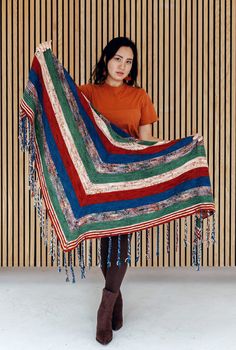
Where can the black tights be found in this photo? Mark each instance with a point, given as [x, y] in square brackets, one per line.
[114, 274]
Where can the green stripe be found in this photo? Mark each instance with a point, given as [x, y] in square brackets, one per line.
[99, 178]
[30, 101]
[118, 137]
[106, 225]
[114, 135]
[51, 190]
[146, 217]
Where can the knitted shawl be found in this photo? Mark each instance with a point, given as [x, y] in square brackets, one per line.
[91, 179]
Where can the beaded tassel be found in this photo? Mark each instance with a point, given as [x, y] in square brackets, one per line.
[199, 256]
[213, 234]
[66, 269]
[46, 233]
[58, 256]
[197, 243]
[168, 238]
[71, 266]
[148, 254]
[128, 259]
[208, 230]
[90, 254]
[185, 232]
[39, 209]
[82, 266]
[138, 234]
[118, 262]
[42, 224]
[52, 245]
[99, 252]
[158, 239]
[78, 253]
[177, 236]
[194, 252]
[109, 253]
[80, 258]
[23, 134]
[32, 170]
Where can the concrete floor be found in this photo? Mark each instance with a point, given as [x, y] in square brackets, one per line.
[164, 308]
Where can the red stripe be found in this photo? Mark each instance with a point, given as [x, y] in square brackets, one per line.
[147, 191]
[84, 199]
[58, 139]
[137, 227]
[81, 196]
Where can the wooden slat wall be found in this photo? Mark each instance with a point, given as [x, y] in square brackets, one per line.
[187, 61]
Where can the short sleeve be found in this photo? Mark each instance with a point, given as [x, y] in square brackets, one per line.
[86, 89]
[148, 113]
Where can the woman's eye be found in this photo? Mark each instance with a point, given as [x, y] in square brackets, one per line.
[118, 58]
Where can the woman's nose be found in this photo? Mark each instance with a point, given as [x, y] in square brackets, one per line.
[122, 65]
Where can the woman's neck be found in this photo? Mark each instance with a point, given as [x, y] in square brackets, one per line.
[113, 83]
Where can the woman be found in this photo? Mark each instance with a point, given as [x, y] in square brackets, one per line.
[116, 95]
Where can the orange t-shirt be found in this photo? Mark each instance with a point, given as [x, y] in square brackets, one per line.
[125, 106]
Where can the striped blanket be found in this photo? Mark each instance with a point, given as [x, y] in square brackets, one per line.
[91, 179]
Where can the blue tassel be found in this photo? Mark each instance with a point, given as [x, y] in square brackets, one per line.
[109, 253]
[58, 256]
[177, 235]
[185, 232]
[194, 251]
[197, 243]
[213, 234]
[78, 253]
[83, 272]
[118, 262]
[128, 259]
[32, 155]
[52, 245]
[148, 255]
[23, 126]
[46, 233]
[66, 269]
[208, 230]
[71, 267]
[42, 224]
[99, 252]
[168, 238]
[138, 234]
[81, 260]
[90, 254]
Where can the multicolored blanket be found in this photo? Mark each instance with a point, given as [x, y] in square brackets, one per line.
[94, 179]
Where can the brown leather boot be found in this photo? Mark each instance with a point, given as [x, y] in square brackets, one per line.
[104, 316]
[117, 318]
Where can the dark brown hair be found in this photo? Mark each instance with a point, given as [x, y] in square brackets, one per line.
[100, 71]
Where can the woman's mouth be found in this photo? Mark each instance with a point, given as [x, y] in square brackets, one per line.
[120, 73]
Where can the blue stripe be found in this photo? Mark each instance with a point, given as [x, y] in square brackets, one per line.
[118, 158]
[110, 206]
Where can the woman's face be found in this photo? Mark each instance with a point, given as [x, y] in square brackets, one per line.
[121, 62]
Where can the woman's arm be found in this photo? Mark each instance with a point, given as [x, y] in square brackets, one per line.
[145, 133]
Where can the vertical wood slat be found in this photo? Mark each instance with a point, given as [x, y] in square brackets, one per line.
[232, 128]
[3, 139]
[187, 64]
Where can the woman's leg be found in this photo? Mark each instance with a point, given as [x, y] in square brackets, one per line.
[109, 314]
[104, 252]
[115, 274]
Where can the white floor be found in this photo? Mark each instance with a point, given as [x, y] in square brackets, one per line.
[164, 308]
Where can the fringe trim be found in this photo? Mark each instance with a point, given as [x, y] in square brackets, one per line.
[27, 143]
